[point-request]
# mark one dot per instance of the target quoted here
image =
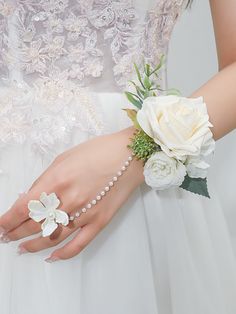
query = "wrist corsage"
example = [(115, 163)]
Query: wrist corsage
[(172, 136)]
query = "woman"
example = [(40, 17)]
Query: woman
[(64, 67)]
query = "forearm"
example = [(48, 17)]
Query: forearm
[(219, 93)]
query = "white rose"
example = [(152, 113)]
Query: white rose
[(162, 172), (197, 168), (179, 125)]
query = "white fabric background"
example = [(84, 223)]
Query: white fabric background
[(192, 61)]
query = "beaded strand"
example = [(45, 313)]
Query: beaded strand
[(105, 190)]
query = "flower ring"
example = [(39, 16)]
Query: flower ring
[(46, 208), (47, 205)]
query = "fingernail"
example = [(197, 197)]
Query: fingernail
[(21, 250), (52, 259), (2, 231), (4, 238)]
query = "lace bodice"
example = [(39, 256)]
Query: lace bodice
[(84, 38), (53, 51)]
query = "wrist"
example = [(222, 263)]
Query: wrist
[(136, 169)]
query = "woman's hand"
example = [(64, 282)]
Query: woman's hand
[(77, 176)]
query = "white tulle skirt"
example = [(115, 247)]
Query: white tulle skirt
[(166, 252)]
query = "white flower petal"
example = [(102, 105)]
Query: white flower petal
[(62, 217), (179, 125), (197, 168), (37, 211), (162, 172), (50, 200), (48, 227)]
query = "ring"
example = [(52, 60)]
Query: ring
[(47, 208), (47, 205)]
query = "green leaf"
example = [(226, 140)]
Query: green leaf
[(132, 114), (138, 74), (162, 59), (147, 83), (196, 185), (173, 91), (146, 95), (134, 100), (139, 90), (147, 69)]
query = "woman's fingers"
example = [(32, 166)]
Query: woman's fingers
[(59, 235), (27, 228), (77, 244), (18, 213)]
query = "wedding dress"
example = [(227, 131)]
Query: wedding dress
[(64, 65)]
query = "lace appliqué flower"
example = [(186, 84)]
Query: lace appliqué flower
[(77, 35), (46, 114)]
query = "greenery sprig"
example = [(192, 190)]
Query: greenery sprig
[(143, 145), (147, 84)]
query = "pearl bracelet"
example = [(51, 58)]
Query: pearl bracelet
[(105, 190)]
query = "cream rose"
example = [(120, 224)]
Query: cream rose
[(179, 125), (162, 172)]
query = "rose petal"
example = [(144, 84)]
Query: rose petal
[(48, 227), (37, 211), (62, 217), (197, 168), (179, 125)]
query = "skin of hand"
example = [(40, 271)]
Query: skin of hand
[(77, 176)]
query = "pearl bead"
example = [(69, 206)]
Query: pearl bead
[(103, 192)]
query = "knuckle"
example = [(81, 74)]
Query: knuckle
[(78, 198), (81, 198), (59, 179)]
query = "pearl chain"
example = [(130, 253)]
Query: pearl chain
[(105, 190)]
